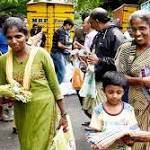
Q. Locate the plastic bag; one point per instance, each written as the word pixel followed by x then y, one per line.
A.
pixel 64 141
pixel 59 141
pixel 77 79
pixel 145 72
pixel 89 86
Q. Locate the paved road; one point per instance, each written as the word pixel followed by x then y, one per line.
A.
pixel 9 141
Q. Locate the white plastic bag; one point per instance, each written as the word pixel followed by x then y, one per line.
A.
pixel 89 86
pixel 64 141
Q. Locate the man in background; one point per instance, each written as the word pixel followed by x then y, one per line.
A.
pixel 79 35
pixel 60 47
pixel 105 45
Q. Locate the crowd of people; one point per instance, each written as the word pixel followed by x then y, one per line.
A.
pixel 111 63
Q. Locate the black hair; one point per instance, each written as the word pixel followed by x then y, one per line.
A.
pixel 34 25
pixel 68 21
pixel 84 15
pixel 15 22
pixel 35 30
pixel 2 20
pixel 100 15
pixel 114 78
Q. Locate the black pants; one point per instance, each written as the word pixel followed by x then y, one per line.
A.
pixel 80 98
pixel 81 102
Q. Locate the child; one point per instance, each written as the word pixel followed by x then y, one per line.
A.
pixel 114 114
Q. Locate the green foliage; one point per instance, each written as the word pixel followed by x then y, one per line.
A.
pixel 9 1
pixel 11 7
pixel 87 5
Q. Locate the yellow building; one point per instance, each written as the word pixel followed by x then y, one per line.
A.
pixel 50 15
pixel 123 12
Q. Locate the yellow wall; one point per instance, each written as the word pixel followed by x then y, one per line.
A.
pixel 123 12
pixel 50 16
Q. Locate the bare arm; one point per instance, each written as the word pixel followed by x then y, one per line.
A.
pixel 60 104
pixel 135 81
pixel 54 86
pixel 62 46
pixel 135 137
pixel 76 44
pixel 63 120
pixel 140 137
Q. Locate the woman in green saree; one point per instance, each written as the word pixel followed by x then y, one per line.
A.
pixel 32 68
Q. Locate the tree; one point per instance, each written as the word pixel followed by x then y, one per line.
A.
pixel 86 5
pixel 11 7
pixel 9 1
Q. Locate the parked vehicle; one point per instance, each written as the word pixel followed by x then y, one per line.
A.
pixel 122 13
pixel 49 15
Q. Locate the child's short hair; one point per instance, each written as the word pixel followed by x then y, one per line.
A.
pixel 114 78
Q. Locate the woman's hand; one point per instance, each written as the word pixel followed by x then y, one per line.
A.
pixel 146 81
pixel 94 147
pixel 92 59
pixel 128 140
pixel 63 122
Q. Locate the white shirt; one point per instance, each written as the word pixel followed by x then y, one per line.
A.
pixel 89 39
